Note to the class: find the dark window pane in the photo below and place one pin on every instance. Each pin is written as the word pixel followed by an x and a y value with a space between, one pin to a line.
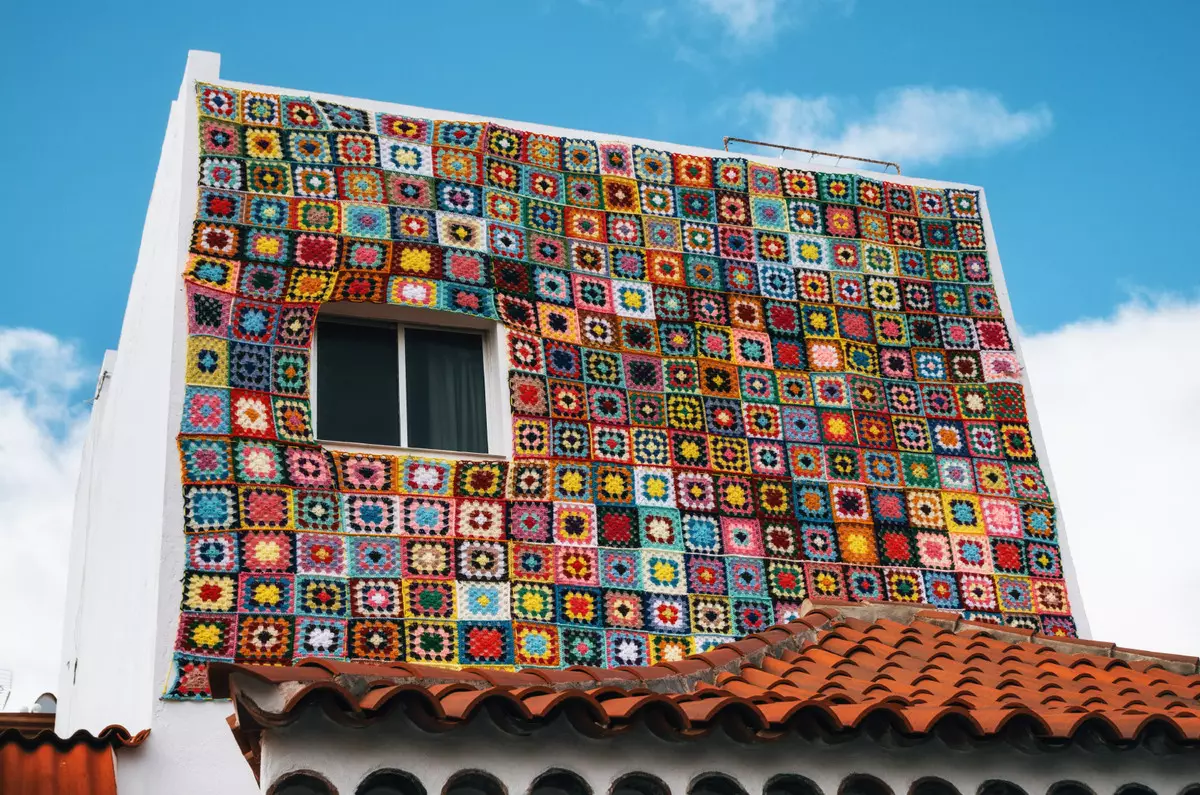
pixel 560 783
pixel 358 388
pixel 447 406
pixel 301 785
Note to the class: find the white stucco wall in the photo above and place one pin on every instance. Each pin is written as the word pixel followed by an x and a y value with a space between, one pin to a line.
pixel 128 541
pixel 69 703
pixel 345 756
pixel 111 609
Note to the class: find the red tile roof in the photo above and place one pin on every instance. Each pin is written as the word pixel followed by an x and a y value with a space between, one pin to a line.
pixel 843 667
pixel 39 762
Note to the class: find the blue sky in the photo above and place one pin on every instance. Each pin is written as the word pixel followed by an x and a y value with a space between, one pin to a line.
pixel 1078 118
pixel 1081 132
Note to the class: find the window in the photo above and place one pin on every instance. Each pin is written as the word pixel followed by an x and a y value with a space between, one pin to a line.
pixel 400 385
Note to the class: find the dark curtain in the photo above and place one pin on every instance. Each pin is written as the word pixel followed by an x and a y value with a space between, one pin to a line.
pixel 447 407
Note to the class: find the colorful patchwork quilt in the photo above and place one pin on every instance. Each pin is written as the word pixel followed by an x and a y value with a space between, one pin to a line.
pixel 733 385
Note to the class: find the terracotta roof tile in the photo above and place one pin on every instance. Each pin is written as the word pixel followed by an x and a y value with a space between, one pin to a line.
pixel 839 666
pixel 42 763
pixel 685 667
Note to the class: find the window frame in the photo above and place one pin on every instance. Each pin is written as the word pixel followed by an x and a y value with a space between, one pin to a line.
pixel 497 412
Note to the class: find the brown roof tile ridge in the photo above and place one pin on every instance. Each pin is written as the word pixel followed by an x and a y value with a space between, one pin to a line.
pixel 868 612
pixel 731 658
pixel 114 736
pixel 1175 663
pixel 684 676
pixel 681 676
pixel 953 622
pixel 876 612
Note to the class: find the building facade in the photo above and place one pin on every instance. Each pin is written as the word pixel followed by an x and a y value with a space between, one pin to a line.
pixel 406 401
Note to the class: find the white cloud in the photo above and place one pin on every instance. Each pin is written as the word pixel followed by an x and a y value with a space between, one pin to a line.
pixel 743 18
pixel 1118 400
pixel 42 423
pixel 754 21
pixel 735 27
pixel 911 125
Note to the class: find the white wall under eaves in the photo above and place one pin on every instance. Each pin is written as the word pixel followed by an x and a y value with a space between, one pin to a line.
pixel 345 756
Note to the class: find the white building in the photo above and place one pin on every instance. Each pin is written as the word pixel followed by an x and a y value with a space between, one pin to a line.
pixel 859 691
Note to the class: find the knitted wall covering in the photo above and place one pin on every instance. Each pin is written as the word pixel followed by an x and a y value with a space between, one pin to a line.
pixel 732 385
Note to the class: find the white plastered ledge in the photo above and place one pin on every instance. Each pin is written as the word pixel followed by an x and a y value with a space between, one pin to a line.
pixel 346 756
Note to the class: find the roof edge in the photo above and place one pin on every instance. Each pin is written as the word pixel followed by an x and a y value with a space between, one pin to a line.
pixel 270 697
pixel 114 736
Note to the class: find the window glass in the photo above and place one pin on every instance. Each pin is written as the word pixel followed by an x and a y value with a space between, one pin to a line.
pixel 358 395
pixel 447 402
pixel 301 785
